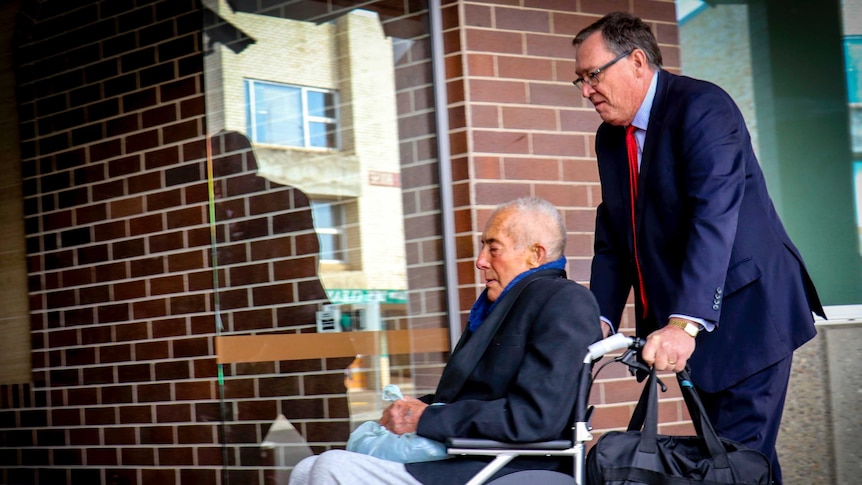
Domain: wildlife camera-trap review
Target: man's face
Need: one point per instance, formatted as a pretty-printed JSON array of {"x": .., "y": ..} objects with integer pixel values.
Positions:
[
  {"x": 499, "y": 260},
  {"x": 617, "y": 96}
]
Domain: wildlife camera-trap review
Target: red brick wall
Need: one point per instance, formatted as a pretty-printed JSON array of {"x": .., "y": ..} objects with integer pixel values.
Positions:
[
  {"x": 121, "y": 291},
  {"x": 519, "y": 128}
]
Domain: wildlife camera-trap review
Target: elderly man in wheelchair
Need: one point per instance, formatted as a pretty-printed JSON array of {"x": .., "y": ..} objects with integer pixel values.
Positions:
[{"x": 514, "y": 375}]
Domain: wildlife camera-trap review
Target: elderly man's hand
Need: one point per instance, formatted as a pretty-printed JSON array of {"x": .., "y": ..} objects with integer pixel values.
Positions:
[
  {"x": 668, "y": 348},
  {"x": 606, "y": 329},
  {"x": 403, "y": 415}
]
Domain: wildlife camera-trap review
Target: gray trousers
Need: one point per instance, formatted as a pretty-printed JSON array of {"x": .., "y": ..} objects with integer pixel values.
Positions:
[{"x": 348, "y": 468}]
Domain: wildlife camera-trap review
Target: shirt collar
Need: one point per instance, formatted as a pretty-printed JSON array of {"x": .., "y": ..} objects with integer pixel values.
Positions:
[{"x": 642, "y": 116}]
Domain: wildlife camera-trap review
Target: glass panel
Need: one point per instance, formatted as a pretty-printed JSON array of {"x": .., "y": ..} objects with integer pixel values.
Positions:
[
  {"x": 853, "y": 59},
  {"x": 323, "y": 214},
  {"x": 361, "y": 267},
  {"x": 857, "y": 186},
  {"x": 329, "y": 222},
  {"x": 318, "y": 135},
  {"x": 853, "y": 66},
  {"x": 277, "y": 116},
  {"x": 805, "y": 149},
  {"x": 330, "y": 249},
  {"x": 321, "y": 104}
]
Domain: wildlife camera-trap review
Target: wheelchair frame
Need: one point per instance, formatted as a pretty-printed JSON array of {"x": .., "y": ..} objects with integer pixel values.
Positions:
[{"x": 506, "y": 452}]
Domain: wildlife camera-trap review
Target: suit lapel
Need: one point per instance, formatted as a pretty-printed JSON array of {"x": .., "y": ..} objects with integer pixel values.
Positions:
[
  {"x": 471, "y": 347},
  {"x": 653, "y": 130}
]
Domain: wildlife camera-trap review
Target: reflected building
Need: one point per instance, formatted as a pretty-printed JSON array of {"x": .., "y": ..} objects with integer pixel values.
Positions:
[{"x": 317, "y": 102}]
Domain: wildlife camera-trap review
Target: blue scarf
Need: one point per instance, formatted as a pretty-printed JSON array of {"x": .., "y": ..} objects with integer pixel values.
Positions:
[{"x": 483, "y": 306}]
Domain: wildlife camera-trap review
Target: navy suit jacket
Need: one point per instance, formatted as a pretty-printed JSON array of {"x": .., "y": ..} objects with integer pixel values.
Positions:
[
  {"x": 514, "y": 379},
  {"x": 710, "y": 242}
]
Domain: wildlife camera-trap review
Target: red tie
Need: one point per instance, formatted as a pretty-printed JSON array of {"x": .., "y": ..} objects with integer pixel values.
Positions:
[{"x": 632, "y": 148}]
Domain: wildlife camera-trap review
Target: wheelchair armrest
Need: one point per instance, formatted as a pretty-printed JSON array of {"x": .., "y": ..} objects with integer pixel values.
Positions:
[{"x": 478, "y": 443}]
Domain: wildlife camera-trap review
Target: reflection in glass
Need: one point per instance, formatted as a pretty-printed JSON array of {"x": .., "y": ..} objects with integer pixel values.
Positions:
[
  {"x": 290, "y": 116},
  {"x": 853, "y": 62},
  {"x": 804, "y": 148},
  {"x": 857, "y": 187},
  {"x": 310, "y": 213},
  {"x": 329, "y": 223}
]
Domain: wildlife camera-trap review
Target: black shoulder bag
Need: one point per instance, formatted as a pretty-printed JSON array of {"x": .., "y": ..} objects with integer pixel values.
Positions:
[{"x": 643, "y": 457}]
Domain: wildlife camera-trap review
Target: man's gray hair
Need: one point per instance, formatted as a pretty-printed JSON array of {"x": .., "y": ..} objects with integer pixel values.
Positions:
[{"x": 535, "y": 221}]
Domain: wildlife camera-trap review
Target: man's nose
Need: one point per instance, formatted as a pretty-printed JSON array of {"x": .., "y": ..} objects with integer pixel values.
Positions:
[
  {"x": 481, "y": 260},
  {"x": 587, "y": 90}
]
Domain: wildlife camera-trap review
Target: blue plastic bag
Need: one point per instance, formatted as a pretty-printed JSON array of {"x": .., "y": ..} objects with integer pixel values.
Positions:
[{"x": 370, "y": 438}]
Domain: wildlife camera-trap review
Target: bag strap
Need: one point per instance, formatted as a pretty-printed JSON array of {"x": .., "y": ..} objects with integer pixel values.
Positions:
[
  {"x": 700, "y": 420},
  {"x": 650, "y": 415},
  {"x": 645, "y": 416},
  {"x": 639, "y": 415}
]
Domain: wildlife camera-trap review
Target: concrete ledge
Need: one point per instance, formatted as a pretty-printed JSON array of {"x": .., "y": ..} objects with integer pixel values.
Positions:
[{"x": 821, "y": 431}]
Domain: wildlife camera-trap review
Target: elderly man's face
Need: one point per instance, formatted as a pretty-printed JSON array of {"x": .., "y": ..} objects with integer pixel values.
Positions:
[
  {"x": 617, "y": 95},
  {"x": 499, "y": 260}
]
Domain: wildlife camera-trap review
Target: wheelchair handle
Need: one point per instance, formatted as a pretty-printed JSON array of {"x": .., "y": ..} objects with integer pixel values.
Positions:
[{"x": 615, "y": 342}]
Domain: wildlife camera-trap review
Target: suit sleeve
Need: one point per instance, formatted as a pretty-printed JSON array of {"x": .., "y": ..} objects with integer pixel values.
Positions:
[
  {"x": 714, "y": 144},
  {"x": 609, "y": 268},
  {"x": 540, "y": 398}
]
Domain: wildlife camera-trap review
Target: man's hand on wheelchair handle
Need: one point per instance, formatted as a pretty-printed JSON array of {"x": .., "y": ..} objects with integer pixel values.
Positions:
[
  {"x": 668, "y": 348},
  {"x": 403, "y": 415}
]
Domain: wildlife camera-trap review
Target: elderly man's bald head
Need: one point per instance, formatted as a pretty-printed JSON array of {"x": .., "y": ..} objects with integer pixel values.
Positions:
[{"x": 533, "y": 220}]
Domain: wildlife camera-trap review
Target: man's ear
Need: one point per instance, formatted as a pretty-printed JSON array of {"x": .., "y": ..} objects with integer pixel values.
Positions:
[
  {"x": 538, "y": 254},
  {"x": 639, "y": 59}
]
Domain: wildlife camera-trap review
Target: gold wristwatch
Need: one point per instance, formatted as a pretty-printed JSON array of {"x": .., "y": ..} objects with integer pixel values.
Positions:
[{"x": 690, "y": 328}]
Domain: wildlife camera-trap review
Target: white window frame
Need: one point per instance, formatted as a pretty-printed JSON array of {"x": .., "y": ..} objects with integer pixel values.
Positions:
[
  {"x": 339, "y": 216},
  {"x": 307, "y": 119}
]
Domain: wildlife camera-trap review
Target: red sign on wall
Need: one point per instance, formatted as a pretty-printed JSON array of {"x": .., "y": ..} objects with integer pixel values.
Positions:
[{"x": 384, "y": 179}]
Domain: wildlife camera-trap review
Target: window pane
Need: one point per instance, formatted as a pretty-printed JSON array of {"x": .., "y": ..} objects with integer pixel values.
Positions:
[
  {"x": 321, "y": 104},
  {"x": 328, "y": 246},
  {"x": 278, "y": 115},
  {"x": 322, "y": 213},
  {"x": 853, "y": 59},
  {"x": 857, "y": 185},
  {"x": 329, "y": 224},
  {"x": 319, "y": 135}
]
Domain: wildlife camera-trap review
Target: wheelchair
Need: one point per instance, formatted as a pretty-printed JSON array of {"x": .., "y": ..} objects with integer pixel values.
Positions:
[{"x": 503, "y": 453}]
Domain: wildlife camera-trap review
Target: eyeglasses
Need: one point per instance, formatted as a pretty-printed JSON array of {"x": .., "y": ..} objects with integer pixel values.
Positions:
[{"x": 592, "y": 78}]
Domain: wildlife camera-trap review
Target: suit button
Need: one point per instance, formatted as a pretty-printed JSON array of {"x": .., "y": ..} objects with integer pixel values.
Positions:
[
  {"x": 715, "y": 307},
  {"x": 718, "y": 291}
]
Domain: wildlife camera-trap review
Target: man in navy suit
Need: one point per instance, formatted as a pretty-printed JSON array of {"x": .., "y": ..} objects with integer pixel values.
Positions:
[
  {"x": 686, "y": 221},
  {"x": 514, "y": 374}
]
